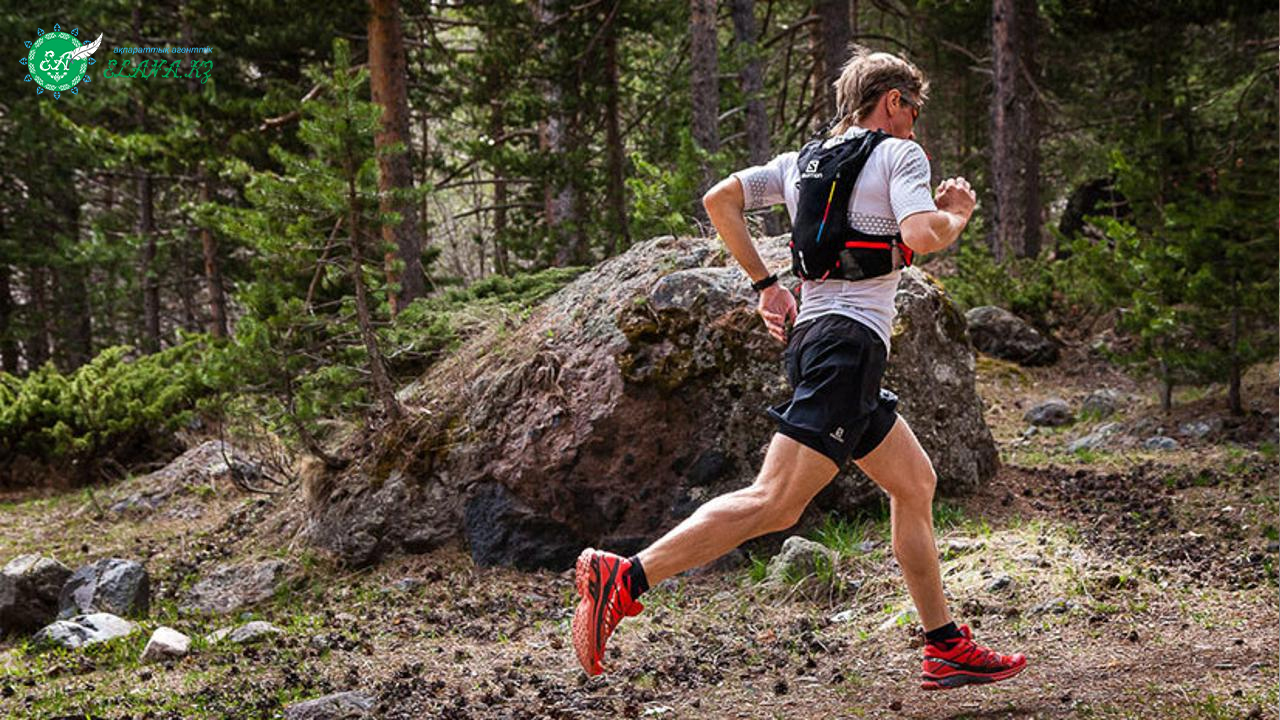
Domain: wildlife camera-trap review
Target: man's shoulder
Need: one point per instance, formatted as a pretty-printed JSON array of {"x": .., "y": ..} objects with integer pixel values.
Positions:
[{"x": 900, "y": 147}]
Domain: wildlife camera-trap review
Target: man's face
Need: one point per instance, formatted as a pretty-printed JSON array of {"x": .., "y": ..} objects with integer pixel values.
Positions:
[{"x": 903, "y": 111}]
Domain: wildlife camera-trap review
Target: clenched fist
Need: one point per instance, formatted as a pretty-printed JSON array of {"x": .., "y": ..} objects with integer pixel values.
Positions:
[
  {"x": 776, "y": 307},
  {"x": 955, "y": 196}
]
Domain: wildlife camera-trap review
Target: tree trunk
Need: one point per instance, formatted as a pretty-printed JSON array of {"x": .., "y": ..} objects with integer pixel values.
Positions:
[
  {"x": 150, "y": 273},
  {"x": 8, "y": 345},
  {"x": 37, "y": 349},
  {"x": 1166, "y": 387},
  {"x": 382, "y": 388},
  {"x": 560, "y": 199},
  {"x": 1015, "y": 131},
  {"x": 705, "y": 85},
  {"x": 212, "y": 270},
  {"x": 387, "y": 74},
  {"x": 146, "y": 229},
  {"x": 501, "y": 263},
  {"x": 74, "y": 329},
  {"x": 208, "y": 244},
  {"x": 833, "y": 48},
  {"x": 616, "y": 190},
  {"x": 494, "y": 79},
  {"x": 751, "y": 79},
  {"x": 1234, "y": 404}
]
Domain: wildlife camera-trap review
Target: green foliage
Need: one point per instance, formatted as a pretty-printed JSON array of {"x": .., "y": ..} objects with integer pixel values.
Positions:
[
  {"x": 843, "y": 534},
  {"x": 431, "y": 326},
  {"x": 106, "y": 409},
  {"x": 298, "y": 350},
  {"x": 664, "y": 200},
  {"x": 1037, "y": 289}
]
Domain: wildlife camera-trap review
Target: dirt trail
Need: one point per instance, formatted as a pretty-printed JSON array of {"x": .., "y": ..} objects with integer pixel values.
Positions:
[{"x": 1139, "y": 584}]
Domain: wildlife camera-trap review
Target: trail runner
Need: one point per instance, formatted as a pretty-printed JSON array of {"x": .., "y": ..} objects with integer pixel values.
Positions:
[{"x": 835, "y": 357}]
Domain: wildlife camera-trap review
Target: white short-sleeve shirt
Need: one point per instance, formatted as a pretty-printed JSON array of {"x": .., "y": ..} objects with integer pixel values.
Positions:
[{"x": 894, "y": 183}]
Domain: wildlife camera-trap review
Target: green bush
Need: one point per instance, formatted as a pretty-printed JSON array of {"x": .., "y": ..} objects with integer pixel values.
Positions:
[
  {"x": 110, "y": 408},
  {"x": 1041, "y": 290}
]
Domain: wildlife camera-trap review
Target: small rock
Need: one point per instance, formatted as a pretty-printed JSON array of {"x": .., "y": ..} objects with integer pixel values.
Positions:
[
  {"x": 999, "y": 583},
  {"x": 1160, "y": 442},
  {"x": 867, "y": 546},
  {"x": 1052, "y": 412},
  {"x": 407, "y": 585},
  {"x": 112, "y": 585},
  {"x": 1101, "y": 403},
  {"x": 230, "y": 588},
  {"x": 844, "y": 616},
  {"x": 1056, "y": 606},
  {"x": 657, "y": 711},
  {"x": 248, "y": 633},
  {"x": 29, "y": 586},
  {"x": 799, "y": 558},
  {"x": 957, "y": 546},
  {"x": 1095, "y": 439},
  {"x": 338, "y": 706},
  {"x": 901, "y": 618},
  {"x": 165, "y": 643},
  {"x": 1200, "y": 428},
  {"x": 896, "y": 706},
  {"x": 84, "y": 630}
]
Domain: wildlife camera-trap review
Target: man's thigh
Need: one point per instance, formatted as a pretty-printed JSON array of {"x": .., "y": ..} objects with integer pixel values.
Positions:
[
  {"x": 899, "y": 464},
  {"x": 793, "y": 473}
]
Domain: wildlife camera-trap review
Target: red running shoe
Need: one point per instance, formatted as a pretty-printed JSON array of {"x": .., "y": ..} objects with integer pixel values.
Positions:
[
  {"x": 606, "y": 599},
  {"x": 961, "y": 661}
]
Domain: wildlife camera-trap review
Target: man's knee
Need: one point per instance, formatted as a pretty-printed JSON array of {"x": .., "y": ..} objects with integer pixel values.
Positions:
[
  {"x": 919, "y": 488},
  {"x": 776, "y": 510}
]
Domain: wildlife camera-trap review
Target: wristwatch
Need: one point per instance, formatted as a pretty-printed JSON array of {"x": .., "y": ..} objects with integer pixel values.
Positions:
[{"x": 764, "y": 283}]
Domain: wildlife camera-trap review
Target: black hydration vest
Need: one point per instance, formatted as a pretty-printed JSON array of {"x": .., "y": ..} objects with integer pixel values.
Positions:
[{"x": 822, "y": 243}]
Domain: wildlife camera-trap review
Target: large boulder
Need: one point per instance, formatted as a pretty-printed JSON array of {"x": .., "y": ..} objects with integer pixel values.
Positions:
[
  {"x": 120, "y": 587},
  {"x": 996, "y": 331},
  {"x": 624, "y": 401},
  {"x": 29, "y": 587}
]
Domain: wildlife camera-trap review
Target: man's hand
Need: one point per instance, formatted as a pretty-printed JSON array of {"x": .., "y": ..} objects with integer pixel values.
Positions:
[
  {"x": 955, "y": 196},
  {"x": 777, "y": 306}
]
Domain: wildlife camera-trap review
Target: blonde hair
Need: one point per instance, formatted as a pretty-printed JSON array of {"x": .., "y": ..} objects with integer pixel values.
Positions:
[{"x": 869, "y": 75}]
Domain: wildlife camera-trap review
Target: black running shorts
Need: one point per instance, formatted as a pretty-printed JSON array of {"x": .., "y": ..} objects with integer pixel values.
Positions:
[{"x": 835, "y": 363}]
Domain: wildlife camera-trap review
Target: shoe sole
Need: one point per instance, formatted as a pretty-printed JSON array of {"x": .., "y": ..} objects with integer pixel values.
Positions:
[
  {"x": 582, "y": 640},
  {"x": 960, "y": 679}
]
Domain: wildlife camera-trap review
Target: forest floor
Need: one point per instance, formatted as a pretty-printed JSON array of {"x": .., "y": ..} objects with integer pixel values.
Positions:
[{"x": 1139, "y": 583}]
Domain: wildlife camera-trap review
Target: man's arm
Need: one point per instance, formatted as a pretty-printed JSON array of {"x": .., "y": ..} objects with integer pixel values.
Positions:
[
  {"x": 725, "y": 204},
  {"x": 927, "y": 232}
]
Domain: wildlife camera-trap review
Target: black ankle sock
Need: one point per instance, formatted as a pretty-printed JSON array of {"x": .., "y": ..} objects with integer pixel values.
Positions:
[
  {"x": 946, "y": 632},
  {"x": 637, "y": 583}
]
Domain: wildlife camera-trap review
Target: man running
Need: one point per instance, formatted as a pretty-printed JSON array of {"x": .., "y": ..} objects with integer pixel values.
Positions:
[{"x": 835, "y": 358}]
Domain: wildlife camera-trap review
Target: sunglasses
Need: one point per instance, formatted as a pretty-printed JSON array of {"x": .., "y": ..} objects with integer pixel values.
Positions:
[{"x": 915, "y": 107}]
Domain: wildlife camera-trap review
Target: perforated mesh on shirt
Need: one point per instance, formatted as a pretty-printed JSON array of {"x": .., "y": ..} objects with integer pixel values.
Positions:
[
  {"x": 758, "y": 186},
  {"x": 873, "y": 224}
]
